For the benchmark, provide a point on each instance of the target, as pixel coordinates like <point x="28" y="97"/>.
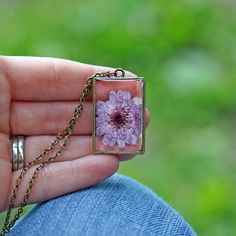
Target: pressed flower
<point x="118" y="120"/>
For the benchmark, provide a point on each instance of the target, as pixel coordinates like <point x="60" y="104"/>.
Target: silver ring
<point x="14" y="152"/>
<point x="17" y="152"/>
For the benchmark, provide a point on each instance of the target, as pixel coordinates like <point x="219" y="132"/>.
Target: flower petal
<point x="121" y="143"/>
<point x="110" y="106"/>
<point x="100" y="130"/>
<point x="133" y="139"/>
<point x="126" y="95"/>
<point x="101" y="107"/>
<point x="137" y="100"/>
<point x="112" y="97"/>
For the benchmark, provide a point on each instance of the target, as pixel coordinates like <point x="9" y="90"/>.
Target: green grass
<point x="186" y="51"/>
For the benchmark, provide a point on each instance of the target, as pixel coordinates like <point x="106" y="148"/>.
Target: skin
<point x="37" y="98"/>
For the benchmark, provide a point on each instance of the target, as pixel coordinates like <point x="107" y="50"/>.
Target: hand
<point x="37" y="99"/>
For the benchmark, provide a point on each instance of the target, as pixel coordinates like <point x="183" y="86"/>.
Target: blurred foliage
<point x="186" y="50"/>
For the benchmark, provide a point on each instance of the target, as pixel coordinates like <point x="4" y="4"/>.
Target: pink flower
<point x="118" y="120"/>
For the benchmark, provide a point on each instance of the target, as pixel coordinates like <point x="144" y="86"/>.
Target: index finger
<point x="47" y="79"/>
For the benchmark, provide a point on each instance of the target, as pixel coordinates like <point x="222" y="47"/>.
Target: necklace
<point x="118" y="127"/>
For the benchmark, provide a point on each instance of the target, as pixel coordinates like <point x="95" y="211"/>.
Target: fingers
<point x="64" y="177"/>
<point x="36" y="118"/>
<point x="79" y="146"/>
<point x="4" y="103"/>
<point x="32" y="118"/>
<point x="5" y="164"/>
<point x="47" y="79"/>
<point x="5" y="168"/>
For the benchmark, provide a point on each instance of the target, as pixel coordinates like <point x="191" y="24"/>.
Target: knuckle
<point x="47" y="173"/>
<point x="2" y="66"/>
<point x="46" y="176"/>
<point x="74" y="171"/>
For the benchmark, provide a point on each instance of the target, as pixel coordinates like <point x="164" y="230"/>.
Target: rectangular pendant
<point x="118" y="115"/>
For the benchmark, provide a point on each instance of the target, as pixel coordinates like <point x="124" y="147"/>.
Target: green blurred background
<point x="186" y="50"/>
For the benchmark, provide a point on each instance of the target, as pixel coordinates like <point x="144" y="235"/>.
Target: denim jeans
<point x="115" y="207"/>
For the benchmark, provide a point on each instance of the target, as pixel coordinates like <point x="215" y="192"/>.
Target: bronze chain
<point x="61" y="136"/>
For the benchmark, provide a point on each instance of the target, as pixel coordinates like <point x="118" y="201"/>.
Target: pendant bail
<point x="119" y="70"/>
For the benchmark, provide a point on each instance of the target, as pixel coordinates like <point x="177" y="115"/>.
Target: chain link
<point x="60" y="136"/>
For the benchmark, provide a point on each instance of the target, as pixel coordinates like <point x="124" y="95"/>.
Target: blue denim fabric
<point x="115" y="207"/>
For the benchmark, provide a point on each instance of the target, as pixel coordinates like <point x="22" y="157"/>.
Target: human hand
<point x="37" y="99"/>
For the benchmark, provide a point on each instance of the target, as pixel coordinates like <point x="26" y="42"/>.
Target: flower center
<point x="119" y="118"/>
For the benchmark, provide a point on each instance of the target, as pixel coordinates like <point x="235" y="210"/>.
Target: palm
<point x="37" y="98"/>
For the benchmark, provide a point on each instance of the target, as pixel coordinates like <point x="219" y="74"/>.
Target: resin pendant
<point x="118" y="115"/>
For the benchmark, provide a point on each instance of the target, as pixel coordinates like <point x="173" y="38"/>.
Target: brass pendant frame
<point x="140" y="150"/>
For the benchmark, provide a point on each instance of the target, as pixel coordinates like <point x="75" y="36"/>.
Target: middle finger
<point x="50" y="118"/>
<point x="37" y="118"/>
